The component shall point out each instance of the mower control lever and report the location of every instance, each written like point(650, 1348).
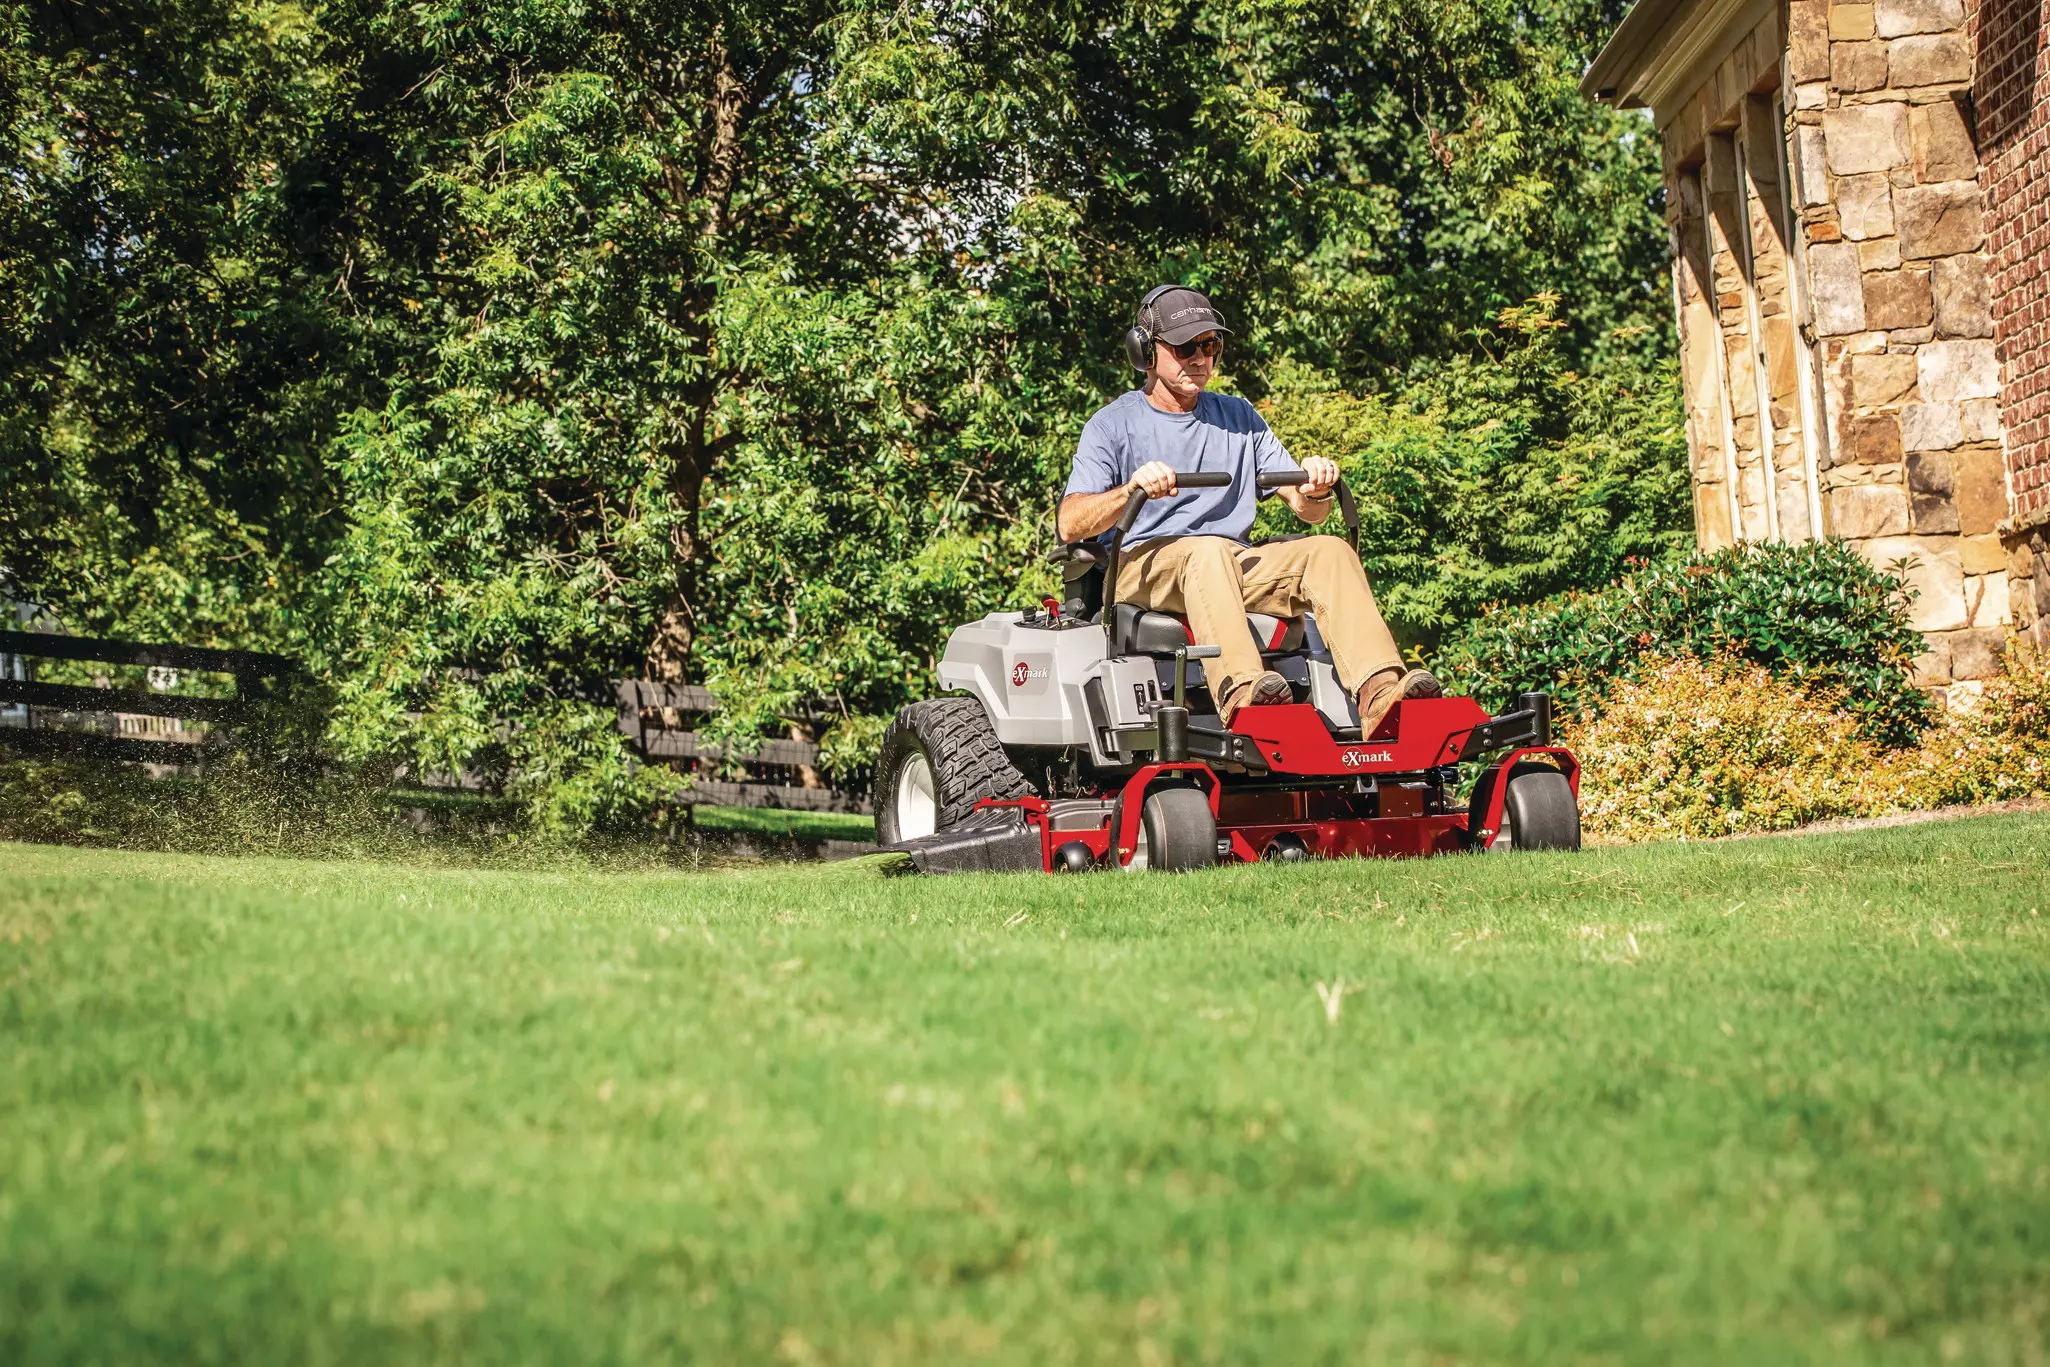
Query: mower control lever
point(1182, 656)
point(1347, 509)
point(1198, 479)
point(1171, 719)
point(1134, 501)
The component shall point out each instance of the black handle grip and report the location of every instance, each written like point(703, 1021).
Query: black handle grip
point(1200, 479)
point(1134, 501)
point(1280, 479)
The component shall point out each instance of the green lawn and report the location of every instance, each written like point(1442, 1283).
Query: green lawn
point(773, 821)
point(1771, 1101)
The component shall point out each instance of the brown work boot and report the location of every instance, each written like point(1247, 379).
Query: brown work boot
point(1381, 692)
point(1266, 691)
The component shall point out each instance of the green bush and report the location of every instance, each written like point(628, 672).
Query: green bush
point(1690, 748)
point(1817, 613)
point(1497, 477)
point(1985, 749)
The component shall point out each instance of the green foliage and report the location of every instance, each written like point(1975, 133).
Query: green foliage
point(478, 352)
point(1818, 613)
point(1498, 477)
point(1771, 1101)
point(1690, 748)
point(203, 245)
point(1988, 748)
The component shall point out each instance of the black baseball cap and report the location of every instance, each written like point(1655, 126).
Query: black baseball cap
point(1178, 314)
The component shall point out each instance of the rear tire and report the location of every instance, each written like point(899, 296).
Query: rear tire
point(1539, 811)
point(1177, 831)
point(938, 759)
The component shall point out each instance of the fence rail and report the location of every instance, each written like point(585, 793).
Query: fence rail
point(686, 745)
point(645, 709)
point(134, 702)
point(241, 663)
point(99, 707)
point(651, 718)
point(93, 745)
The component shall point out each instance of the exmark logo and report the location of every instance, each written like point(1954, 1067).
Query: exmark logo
point(1354, 759)
point(1023, 673)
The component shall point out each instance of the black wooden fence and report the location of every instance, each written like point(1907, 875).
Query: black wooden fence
point(85, 727)
point(655, 719)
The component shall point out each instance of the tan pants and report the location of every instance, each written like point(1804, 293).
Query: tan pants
point(1214, 582)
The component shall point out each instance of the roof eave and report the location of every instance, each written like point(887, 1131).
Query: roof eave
point(1615, 73)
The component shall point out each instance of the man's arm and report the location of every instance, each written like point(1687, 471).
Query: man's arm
point(1311, 501)
point(1082, 516)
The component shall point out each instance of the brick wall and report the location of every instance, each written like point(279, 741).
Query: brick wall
point(2011, 97)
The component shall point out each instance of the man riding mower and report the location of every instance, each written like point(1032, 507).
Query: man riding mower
point(1194, 698)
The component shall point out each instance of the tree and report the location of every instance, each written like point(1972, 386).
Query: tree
point(184, 324)
point(731, 340)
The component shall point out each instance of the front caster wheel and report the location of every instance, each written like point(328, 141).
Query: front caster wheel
point(1177, 831)
point(1538, 811)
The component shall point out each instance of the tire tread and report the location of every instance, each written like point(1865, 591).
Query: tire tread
point(968, 761)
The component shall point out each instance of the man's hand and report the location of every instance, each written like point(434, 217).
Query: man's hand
point(1082, 516)
point(1310, 500)
point(1323, 476)
point(1156, 477)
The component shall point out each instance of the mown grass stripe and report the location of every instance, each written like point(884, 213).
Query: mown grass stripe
point(1765, 1100)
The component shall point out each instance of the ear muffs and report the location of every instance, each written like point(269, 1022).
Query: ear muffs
point(1139, 348)
point(1139, 339)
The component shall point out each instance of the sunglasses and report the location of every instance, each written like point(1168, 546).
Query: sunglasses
point(1211, 346)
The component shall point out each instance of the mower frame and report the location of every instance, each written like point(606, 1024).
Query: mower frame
point(1283, 782)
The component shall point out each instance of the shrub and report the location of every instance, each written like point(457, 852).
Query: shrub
point(1688, 748)
point(1997, 748)
point(1496, 477)
point(1817, 613)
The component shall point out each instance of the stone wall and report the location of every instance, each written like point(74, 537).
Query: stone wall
point(1892, 221)
point(1858, 193)
point(2028, 576)
point(1752, 416)
point(2011, 94)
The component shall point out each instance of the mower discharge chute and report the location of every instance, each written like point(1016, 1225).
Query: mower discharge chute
point(1081, 735)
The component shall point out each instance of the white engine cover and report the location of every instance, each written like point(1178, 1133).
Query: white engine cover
point(1029, 678)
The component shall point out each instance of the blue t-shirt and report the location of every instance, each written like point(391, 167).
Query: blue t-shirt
point(1225, 434)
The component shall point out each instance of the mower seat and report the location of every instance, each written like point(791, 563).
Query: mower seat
point(1137, 631)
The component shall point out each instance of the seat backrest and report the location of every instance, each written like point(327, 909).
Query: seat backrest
point(1081, 565)
point(1137, 631)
